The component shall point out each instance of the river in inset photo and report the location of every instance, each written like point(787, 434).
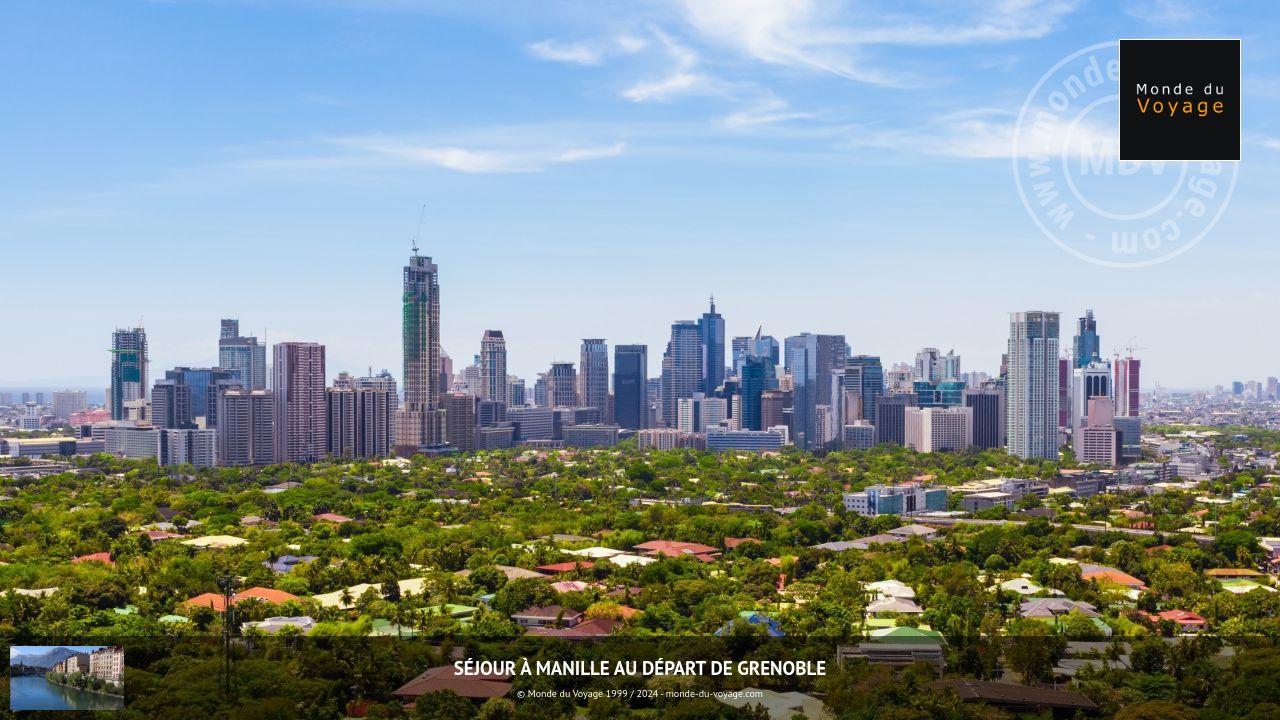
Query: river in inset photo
point(34, 692)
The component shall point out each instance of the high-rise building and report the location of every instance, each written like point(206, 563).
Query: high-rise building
point(1096, 440)
point(711, 338)
point(774, 407)
point(243, 355)
point(516, 392)
point(562, 381)
point(811, 359)
point(891, 418)
point(739, 348)
point(340, 418)
point(869, 377)
point(938, 429)
point(68, 402)
point(1087, 382)
point(681, 368)
point(1128, 386)
point(246, 427)
point(202, 382)
point(988, 406)
point(1032, 386)
point(630, 386)
point(753, 382)
point(171, 405)
point(187, 446)
point(1086, 347)
point(949, 366)
point(298, 378)
point(1065, 367)
point(593, 375)
point(128, 369)
point(417, 423)
point(460, 421)
point(493, 367)
point(928, 368)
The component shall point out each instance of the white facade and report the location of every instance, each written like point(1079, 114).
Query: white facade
point(1032, 385)
point(939, 429)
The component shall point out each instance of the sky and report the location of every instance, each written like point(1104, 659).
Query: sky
point(592, 169)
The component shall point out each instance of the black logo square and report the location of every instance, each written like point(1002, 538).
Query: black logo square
point(1179, 99)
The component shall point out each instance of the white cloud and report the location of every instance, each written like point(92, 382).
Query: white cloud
point(682, 79)
point(767, 111)
point(470, 160)
point(989, 133)
point(587, 53)
point(829, 37)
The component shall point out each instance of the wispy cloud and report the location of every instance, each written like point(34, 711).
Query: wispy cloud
point(766, 111)
point(478, 160)
point(1164, 12)
point(681, 79)
point(986, 133)
point(587, 52)
point(830, 37)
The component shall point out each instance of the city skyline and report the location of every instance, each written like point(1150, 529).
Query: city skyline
point(656, 157)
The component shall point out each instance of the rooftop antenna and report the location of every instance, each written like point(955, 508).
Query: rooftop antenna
point(418, 234)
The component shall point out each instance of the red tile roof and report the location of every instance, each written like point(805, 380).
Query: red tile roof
point(733, 542)
point(1114, 577)
point(331, 517)
point(671, 548)
point(270, 595)
point(102, 557)
point(564, 567)
point(210, 600)
point(445, 677)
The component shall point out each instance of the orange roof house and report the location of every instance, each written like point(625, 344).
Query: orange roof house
point(216, 602)
point(672, 548)
point(564, 567)
point(102, 557)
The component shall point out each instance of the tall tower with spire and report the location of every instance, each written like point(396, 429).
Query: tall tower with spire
point(418, 422)
point(711, 337)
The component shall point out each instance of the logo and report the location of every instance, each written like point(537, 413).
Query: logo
point(1097, 207)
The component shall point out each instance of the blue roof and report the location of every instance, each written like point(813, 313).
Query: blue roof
point(285, 563)
point(772, 628)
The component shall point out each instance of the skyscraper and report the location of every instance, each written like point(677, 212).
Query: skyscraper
point(593, 375)
point(891, 418)
point(630, 386)
point(1032, 386)
point(171, 405)
point(1128, 386)
point(417, 423)
point(871, 383)
point(711, 338)
point(562, 382)
point(928, 368)
point(203, 382)
point(68, 402)
point(460, 421)
point(811, 359)
point(988, 406)
point(493, 367)
point(242, 355)
point(128, 369)
point(245, 434)
point(681, 368)
point(300, 409)
point(753, 381)
point(1088, 382)
point(1086, 347)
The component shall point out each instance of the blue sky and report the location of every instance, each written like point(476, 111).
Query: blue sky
point(589, 170)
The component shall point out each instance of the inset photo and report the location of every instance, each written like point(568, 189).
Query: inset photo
point(66, 677)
